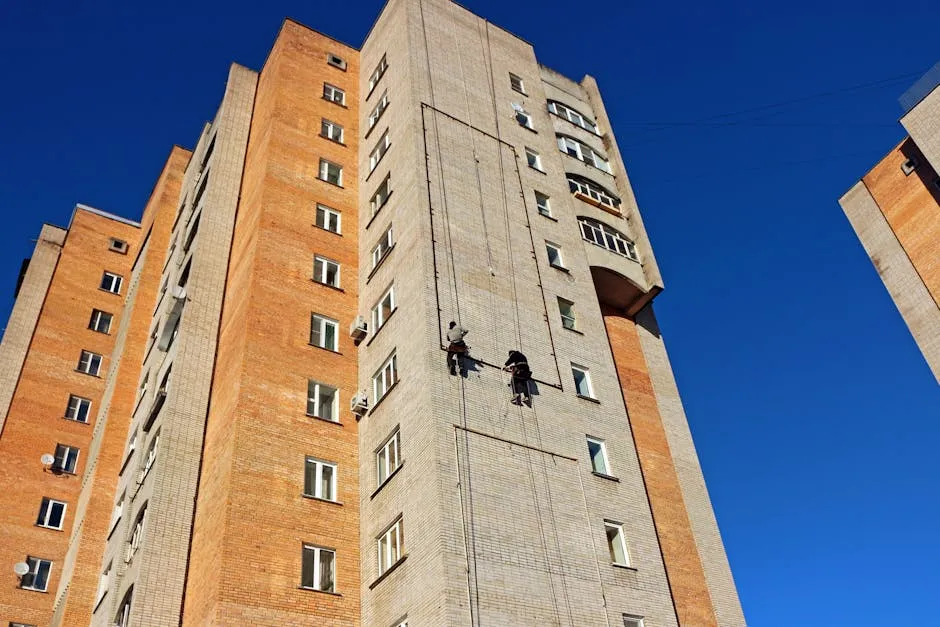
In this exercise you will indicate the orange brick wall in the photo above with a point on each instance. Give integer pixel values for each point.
(35, 422)
(677, 542)
(911, 205)
(158, 220)
(251, 518)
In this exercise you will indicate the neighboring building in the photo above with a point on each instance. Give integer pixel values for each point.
(273, 436)
(895, 210)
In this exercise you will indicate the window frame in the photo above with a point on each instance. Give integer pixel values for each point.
(587, 379)
(73, 411)
(46, 506)
(123, 616)
(374, 205)
(543, 201)
(377, 111)
(316, 564)
(35, 566)
(560, 259)
(377, 74)
(117, 512)
(580, 185)
(396, 550)
(602, 445)
(70, 453)
(379, 318)
(104, 583)
(521, 84)
(634, 620)
(574, 116)
(328, 214)
(330, 91)
(322, 275)
(114, 282)
(572, 314)
(97, 315)
(92, 364)
(387, 376)
(534, 159)
(336, 61)
(610, 238)
(523, 117)
(574, 147)
(324, 172)
(317, 492)
(383, 458)
(380, 150)
(137, 534)
(621, 535)
(324, 322)
(326, 130)
(315, 386)
(385, 244)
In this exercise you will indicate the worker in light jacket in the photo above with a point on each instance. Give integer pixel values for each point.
(456, 346)
(521, 375)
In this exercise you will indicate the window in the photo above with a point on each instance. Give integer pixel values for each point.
(317, 569)
(543, 204)
(100, 321)
(336, 61)
(117, 245)
(607, 237)
(388, 458)
(583, 152)
(328, 219)
(584, 187)
(38, 576)
(383, 309)
(616, 543)
(909, 166)
(331, 173)
(137, 536)
(325, 271)
(15, 624)
(123, 617)
(103, 581)
(381, 249)
(390, 547)
(78, 409)
(111, 282)
(323, 332)
(598, 452)
(376, 75)
(534, 159)
(379, 109)
(632, 621)
(385, 378)
(334, 94)
(165, 381)
(89, 363)
(322, 401)
(582, 381)
(66, 458)
(116, 513)
(380, 196)
(572, 116)
(568, 318)
(184, 275)
(522, 116)
(151, 458)
(202, 190)
(131, 445)
(320, 479)
(331, 130)
(51, 514)
(379, 151)
(554, 255)
(516, 83)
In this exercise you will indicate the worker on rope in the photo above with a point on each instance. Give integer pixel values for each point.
(456, 346)
(521, 375)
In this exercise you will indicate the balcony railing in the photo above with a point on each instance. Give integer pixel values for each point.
(604, 236)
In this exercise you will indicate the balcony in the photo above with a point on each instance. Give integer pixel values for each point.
(618, 275)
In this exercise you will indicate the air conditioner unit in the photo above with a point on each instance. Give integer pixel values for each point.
(358, 329)
(359, 404)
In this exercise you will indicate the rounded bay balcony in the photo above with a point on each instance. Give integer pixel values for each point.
(615, 266)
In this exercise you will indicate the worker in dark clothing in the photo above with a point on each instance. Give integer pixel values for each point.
(519, 367)
(456, 346)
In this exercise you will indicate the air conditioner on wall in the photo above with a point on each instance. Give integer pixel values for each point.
(358, 329)
(359, 404)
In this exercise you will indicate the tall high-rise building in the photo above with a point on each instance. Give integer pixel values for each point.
(246, 396)
(895, 211)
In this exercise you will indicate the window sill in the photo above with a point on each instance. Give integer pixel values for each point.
(624, 567)
(114, 526)
(387, 480)
(378, 209)
(381, 261)
(322, 419)
(335, 594)
(608, 477)
(59, 529)
(391, 569)
(335, 141)
(596, 203)
(545, 215)
(337, 233)
(88, 374)
(98, 602)
(384, 396)
(101, 332)
(35, 590)
(338, 104)
(81, 422)
(323, 348)
(529, 128)
(573, 330)
(539, 170)
(332, 287)
(101, 289)
(372, 336)
(562, 268)
(339, 185)
(519, 91)
(322, 500)
(589, 398)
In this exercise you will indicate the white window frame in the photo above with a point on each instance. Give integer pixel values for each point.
(329, 217)
(378, 110)
(385, 378)
(97, 316)
(523, 117)
(582, 152)
(331, 130)
(334, 94)
(379, 151)
(322, 268)
(605, 236)
(593, 191)
(380, 197)
(381, 249)
(104, 581)
(390, 546)
(377, 74)
(117, 512)
(379, 315)
(631, 620)
(77, 408)
(586, 372)
(123, 617)
(316, 552)
(534, 159)
(35, 565)
(324, 174)
(569, 321)
(543, 204)
(566, 112)
(336, 61)
(45, 513)
(137, 535)
(513, 80)
(602, 446)
(314, 392)
(150, 459)
(321, 321)
(111, 282)
(317, 492)
(559, 258)
(388, 458)
(620, 538)
(92, 363)
(69, 453)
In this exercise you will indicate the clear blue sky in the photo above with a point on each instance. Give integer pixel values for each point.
(815, 416)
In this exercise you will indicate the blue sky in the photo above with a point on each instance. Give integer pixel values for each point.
(814, 414)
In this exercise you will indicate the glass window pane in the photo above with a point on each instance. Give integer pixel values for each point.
(326, 570)
(306, 575)
(326, 483)
(310, 477)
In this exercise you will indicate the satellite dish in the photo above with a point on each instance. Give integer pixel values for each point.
(21, 568)
(47, 459)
